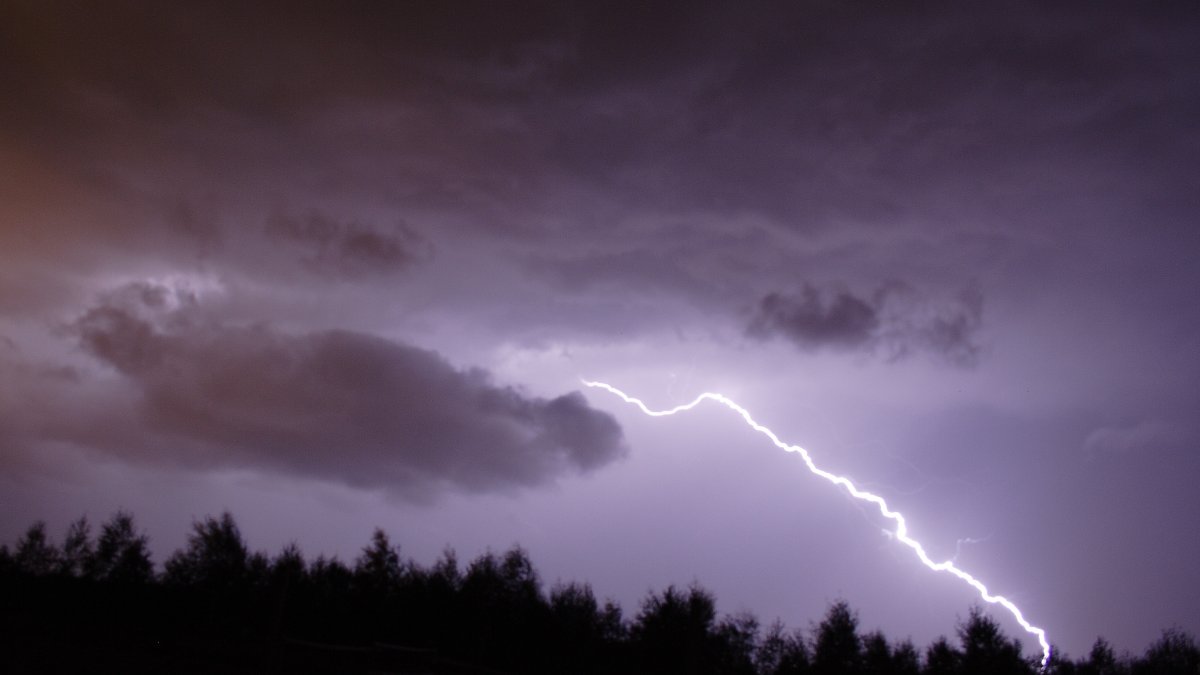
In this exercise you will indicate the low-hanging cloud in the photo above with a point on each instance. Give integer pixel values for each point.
(340, 405)
(895, 320)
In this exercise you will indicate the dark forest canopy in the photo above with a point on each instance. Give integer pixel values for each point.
(97, 601)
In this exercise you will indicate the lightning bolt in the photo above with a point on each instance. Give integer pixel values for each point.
(900, 533)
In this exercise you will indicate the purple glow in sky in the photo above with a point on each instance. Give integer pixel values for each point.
(338, 266)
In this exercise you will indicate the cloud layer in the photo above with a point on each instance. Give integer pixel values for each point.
(336, 404)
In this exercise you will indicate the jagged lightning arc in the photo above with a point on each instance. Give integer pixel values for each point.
(901, 531)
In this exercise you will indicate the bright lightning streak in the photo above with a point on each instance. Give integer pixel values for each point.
(901, 531)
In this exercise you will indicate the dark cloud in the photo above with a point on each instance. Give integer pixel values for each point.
(809, 321)
(885, 111)
(895, 320)
(351, 250)
(337, 405)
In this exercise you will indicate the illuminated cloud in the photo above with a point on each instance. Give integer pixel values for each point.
(337, 405)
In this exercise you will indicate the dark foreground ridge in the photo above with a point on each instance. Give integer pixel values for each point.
(99, 605)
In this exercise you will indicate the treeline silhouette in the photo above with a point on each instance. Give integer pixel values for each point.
(97, 604)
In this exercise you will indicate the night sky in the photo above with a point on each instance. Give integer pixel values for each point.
(343, 266)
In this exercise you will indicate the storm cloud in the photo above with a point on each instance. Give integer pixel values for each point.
(351, 250)
(895, 321)
(337, 404)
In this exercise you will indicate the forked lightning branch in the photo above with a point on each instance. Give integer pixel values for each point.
(901, 526)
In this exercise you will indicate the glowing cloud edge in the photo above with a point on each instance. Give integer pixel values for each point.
(901, 531)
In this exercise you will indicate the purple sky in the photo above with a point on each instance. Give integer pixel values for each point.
(343, 266)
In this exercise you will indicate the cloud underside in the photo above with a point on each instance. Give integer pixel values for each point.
(338, 405)
(894, 321)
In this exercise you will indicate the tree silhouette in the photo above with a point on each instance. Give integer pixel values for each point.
(672, 632)
(1102, 661)
(942, 659)
(882, 658)
(446, 571)
(502, 606)
(583, 636)
(1175, 653)
(905, 660)
(431, 600)
(517, 573)
(211, 579)
(332, 609)
(215, 558)
(96, 605)
(986, 650)
(781, 652)
(122, 554)
(837, 649)
(378, 568)
(736, 638)
(77, 553)
(288, 577)
(35, 554)
(876, 654)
